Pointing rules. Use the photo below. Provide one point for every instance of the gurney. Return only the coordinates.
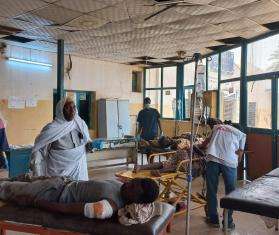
(260, 197)
(35, 221)
(173, 191)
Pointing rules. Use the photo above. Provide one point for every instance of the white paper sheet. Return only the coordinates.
(16, 102)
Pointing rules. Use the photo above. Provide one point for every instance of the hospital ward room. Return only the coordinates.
(139, 117)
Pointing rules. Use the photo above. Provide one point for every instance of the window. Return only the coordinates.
(230, 101)
(169, 103)
(278, 105)
(155, 96)
(136, 81)
(188, 93)
(189, 74)
(259, 104)
(230, 64)
(263, 56)
(153, 78)
(213, 72)
(169, 76)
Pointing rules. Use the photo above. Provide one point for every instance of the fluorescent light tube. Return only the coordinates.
(29, 62)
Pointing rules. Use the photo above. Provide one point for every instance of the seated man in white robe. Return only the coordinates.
(60, 148)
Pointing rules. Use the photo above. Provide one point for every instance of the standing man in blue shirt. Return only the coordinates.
(148, 121)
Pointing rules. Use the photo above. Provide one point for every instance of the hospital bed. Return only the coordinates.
(35, 221)
(172, 188)
(260, 197)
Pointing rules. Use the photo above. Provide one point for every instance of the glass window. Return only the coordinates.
(263, 56)
(230, 64)
(278, 109)
(189, 74)
(213, 72)
(169, 76)
(153, 78)
(155, 96)
(230, 101)
(259, 104)
(188, 93)
(169, 103)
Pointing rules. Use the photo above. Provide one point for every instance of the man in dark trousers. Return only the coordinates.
(148, 121)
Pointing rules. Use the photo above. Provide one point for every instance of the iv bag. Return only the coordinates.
(200, 85)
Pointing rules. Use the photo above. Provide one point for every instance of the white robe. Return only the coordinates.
(71, 162)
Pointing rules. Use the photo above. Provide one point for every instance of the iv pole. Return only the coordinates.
(197, 58)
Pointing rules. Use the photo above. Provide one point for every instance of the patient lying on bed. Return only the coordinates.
(92, 199)
(170, 165)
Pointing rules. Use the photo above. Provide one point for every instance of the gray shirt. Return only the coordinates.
(92, 191)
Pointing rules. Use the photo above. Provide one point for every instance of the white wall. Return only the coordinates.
(109, 80)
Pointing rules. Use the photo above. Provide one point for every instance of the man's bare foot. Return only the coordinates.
(155, 173)
(136, 168)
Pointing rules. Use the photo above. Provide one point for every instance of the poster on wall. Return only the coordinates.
(16, 102)
(31, 102)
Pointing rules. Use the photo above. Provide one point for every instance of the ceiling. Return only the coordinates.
(116, 30)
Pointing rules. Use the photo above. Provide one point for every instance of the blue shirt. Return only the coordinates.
(148, 121)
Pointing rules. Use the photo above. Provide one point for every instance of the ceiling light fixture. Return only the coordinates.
(29, 62)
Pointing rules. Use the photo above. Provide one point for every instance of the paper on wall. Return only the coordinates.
(31, 102)
(16, 102)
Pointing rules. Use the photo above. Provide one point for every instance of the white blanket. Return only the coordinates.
(72, 162)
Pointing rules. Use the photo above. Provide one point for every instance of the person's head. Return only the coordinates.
(147, 102)
(139, 190)
(211, 122)
(69, 110)
(164, 141)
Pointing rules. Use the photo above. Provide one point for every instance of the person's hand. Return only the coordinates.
(89, 148)
(239, 152)
(24, 200)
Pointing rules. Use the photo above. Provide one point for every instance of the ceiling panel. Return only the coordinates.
(11, 8)
(82, 5)
(86, 22)
(113, 13)
(58, 15)
(256, 8)
(231, 4)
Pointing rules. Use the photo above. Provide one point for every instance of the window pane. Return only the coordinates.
(229, 101)
(169, 103)
(169, 76)
(189, 74)
(213, 72)
(153, 78)
(230, 64)
(263, 56)
(278, 107)
(259, 104)
(188, 93)
(155, 96)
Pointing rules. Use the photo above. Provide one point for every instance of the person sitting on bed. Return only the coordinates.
(92, 199)
(170, 165)
(60, 148)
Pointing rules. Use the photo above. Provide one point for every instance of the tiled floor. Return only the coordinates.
(246, 224)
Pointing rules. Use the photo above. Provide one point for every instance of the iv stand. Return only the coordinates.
(197, 58)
